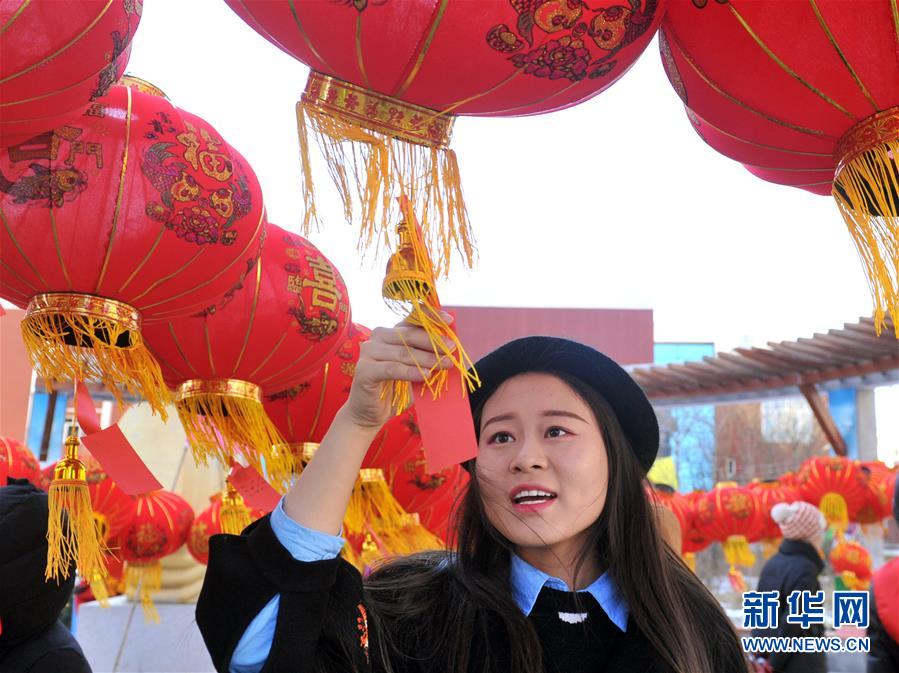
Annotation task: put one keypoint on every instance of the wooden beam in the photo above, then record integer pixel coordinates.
(825, 420)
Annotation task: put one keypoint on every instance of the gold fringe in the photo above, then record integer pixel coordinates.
(100, 590)
(737, 552)
(220, 426)
(132, 368)
(833, 507)
(372, 501)
(234, 515)
(412, 537)
(144, 580)
(871, 178)
(370, 168)
(72, 535)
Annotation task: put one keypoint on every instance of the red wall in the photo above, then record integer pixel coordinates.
(625, 335)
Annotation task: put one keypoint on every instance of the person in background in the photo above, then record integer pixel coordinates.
(795, 567)
(883, 628)
(32, 639)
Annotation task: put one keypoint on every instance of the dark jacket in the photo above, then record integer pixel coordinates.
(883, 627)
(32, 638)
(795, 567)
(324, 623)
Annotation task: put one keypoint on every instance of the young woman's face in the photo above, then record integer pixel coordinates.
(542, 466)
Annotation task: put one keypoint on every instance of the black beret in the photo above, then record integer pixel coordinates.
(604, 375)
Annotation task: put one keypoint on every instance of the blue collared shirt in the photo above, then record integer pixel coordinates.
(306, 544)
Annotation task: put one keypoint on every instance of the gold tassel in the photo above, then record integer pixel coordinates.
(372, 501)
(833, 507)
(234, 515)
(866, 189)
(80, 337)
(690, 560)
(410, 537)
(395, 146)
(99, 589)
(371, 553)
(224, 417)
(72, 533)
(143, 580)
(737, 552)
(409, 289)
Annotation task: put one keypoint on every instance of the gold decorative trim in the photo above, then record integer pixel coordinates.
(85, 304)
(142, 85)
(370, 475)
(870, 132)
(309, 449)
(377, 112)
(224, 387)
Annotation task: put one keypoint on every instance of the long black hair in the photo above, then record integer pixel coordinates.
(444, 609)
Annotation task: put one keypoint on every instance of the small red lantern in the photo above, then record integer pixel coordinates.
(835, 485)
(399, 451)
(132, 213)
(304, 412)
(113, 508)
(158, 528)
(287, 318)
(694, 541)
(731, 514)
(804, 94)
(853, 563)
(227, 513)
(878, 502)
(770, 492)
(53, 63)
(389, 78)
(17, 461)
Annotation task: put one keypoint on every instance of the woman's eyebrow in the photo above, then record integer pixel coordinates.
(496, 419)
(566, 414)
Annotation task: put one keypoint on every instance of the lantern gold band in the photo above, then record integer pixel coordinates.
(142, 85)
(870, 132)
(87, 305)
(370, 474)
(377, 112)
(226, 387)
(301, 450)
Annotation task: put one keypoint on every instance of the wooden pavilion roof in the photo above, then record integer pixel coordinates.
(851, 356)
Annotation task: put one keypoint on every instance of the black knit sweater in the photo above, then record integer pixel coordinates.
(322, 619)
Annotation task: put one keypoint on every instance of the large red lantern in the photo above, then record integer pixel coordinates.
(132, 213)
(835, 485)
(878, 502)
(399, 451)
(53, 63)
(158, 528)
(853, 563)
(17, 461)
(769, 492)
(804, 94)
(289, 316)
(730, 514)
(304, 412)
(388, 79)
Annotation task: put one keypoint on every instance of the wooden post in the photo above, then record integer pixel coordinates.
(825, 420)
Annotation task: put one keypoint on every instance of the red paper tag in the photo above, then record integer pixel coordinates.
(256, 491)
(447, 429)
(86, 410)
(120, 460)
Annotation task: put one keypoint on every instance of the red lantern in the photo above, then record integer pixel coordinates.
(399, 451)
(769, 492)
(730, 514)
(158, 528)
(878, 502)
(226, 513)
(132, 213)
(290, 315)
(694, 539)
(834, 484)
(53, 63)
(389, 77)
(113, 508)
(304, 412)
(17, 461)
(853, 563)
(806, 95)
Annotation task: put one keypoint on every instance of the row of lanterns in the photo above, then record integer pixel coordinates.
(734, 516)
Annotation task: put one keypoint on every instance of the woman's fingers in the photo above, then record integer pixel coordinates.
(404, 334)
(384, 352)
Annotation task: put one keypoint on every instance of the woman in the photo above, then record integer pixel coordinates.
(795, 567)
(558, 564)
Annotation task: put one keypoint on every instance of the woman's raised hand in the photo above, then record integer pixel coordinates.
(400, 353)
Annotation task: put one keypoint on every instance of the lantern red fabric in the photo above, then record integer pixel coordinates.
(113, 508)
(208, 523)
(398, 450)
(835, 485)
(132, 213)
(878, 502)
(389, 77)
(304, 411)
(17, 461)
(289, 316)
(53, 62)
(806, 95)
(853, 562)
(694, 539)
(770, 492)
(730, 514)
